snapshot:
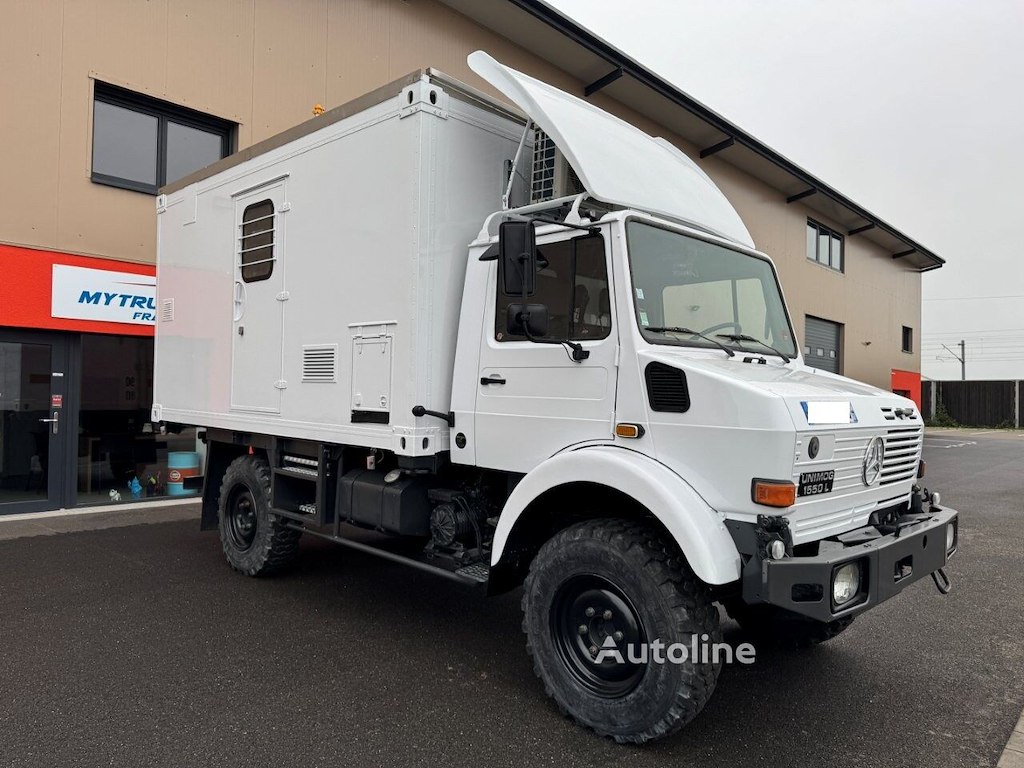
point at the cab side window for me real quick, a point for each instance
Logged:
(572, 282)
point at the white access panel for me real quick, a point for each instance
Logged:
(371, 375)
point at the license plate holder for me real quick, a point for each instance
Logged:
(814, 483)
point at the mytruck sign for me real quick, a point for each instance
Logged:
(80, 293)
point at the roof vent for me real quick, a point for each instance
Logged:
(319, 362)
(551, 176)
(666, 388)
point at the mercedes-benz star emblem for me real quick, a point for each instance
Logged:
(873, 458)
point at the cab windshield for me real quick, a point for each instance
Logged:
(680, 282)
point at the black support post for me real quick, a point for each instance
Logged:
(717, 147)
(801, 195)
(600, 83)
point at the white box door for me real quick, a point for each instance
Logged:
(259, 299)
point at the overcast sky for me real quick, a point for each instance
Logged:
(913, 108)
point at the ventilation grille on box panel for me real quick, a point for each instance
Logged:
(551, 175)
(166, 310)
(319, 362)
(666, 388)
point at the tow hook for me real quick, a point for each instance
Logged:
(942, 582)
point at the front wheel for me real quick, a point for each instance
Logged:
(255, 540)
(600, 597)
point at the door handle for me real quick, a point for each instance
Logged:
(492, 379)
(55, 421)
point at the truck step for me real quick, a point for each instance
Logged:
(302, 460)
(303, 472)
(478, 572)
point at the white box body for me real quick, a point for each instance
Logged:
(357, 321)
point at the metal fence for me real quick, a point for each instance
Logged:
(975, 403)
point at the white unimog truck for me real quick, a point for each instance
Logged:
(541, 350)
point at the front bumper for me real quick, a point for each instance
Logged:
(889, 562)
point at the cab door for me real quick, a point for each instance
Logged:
(533, 400)
(259, 297)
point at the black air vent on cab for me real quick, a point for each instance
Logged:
(666, 388)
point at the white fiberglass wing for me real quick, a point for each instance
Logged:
(616, 161)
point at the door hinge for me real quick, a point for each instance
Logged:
(281, 384)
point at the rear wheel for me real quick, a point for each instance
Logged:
(254, 539)
(778, 627)
(598, 594)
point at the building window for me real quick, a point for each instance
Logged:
(573, 285)
(824, 246)
(908, 339)
(257, 241)
(141, 143)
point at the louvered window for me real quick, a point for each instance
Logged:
(256, 243)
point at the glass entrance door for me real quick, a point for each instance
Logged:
(33, 452)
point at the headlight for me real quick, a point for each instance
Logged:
(845, 583)
(950, 536)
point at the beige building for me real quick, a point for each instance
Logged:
(122, 97)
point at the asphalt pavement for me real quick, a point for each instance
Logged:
(137, 645)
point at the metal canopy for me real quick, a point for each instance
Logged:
(537, 27)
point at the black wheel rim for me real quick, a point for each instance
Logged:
(241, 518)
(586, 612)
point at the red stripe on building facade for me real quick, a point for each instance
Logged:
(26, 276)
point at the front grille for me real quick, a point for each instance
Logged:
(850, 503)
(902, 452)
(666, 388)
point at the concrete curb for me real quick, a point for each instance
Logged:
(1013, 753)
(96, 518)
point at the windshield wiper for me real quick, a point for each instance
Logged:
(745, 337)
(677, 329)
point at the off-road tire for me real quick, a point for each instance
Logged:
(671, 603)
(776, 627)
(271, 546)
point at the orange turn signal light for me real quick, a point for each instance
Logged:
(629, 430)
(921, 467)
(773, 493)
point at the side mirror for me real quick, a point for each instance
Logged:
(530, 320)
(517, 248)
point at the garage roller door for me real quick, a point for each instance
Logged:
(821, 344)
